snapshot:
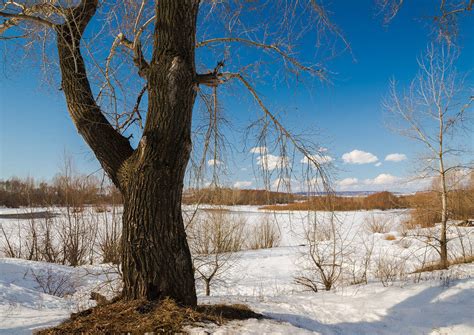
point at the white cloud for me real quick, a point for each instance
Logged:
(259, 150)
(396, 157)
(419, 183)
(347, 182)
(213, 162)
(359, 157)
(378, 164)
(271, 162)
(314, 184)
(242, 184)
(281, 184)
(320, 159)
(383, 179)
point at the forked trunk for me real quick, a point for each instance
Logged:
(156, 258)
(156, 261)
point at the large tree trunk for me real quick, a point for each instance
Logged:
(156, 258)
(156, 262)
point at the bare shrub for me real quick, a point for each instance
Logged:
(70, 239)
(110, 238)
(358, 267)
(264, 235)
(389, 269)
(422, 217)
(213, 240)
(77, 236)
(378, 224)
(325, 254)
(465, 237)
(49, 250)
(53, 283)
(9, 248)
(34, 241)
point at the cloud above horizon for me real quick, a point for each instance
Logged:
(242, 184)
(379, 182)
(320, 159)
(259, 150)
(215, 162)
(347, 182)
(395, 157)
(271, 162)
(382, 179)
(359, 157)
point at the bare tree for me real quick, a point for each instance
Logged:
(159, 39)
(444, 19)
(432, 111)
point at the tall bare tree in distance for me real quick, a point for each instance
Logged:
(434, 111)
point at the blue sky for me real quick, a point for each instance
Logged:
(35, 128)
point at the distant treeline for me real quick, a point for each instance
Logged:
(425, 205)
(381, 200)
(80, 190)
(74, 191)
(231, 196)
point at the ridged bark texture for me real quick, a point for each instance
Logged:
(156, 261)
(156, 258)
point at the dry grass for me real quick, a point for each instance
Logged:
(426, 207)
(140, 317)
(229, 196)
(437, 266)
(377, 224)
(265, 235)
(390, 237)
(380, 200)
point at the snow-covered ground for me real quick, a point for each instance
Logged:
(34, 295)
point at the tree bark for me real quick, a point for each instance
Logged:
(156, 261)
(443, 241)
(208, 287)
(110, 147)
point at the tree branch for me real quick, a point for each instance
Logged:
(138, 59)
(108, 145)
(14, 19)
(272, 47)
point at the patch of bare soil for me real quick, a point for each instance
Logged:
(140, 317)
